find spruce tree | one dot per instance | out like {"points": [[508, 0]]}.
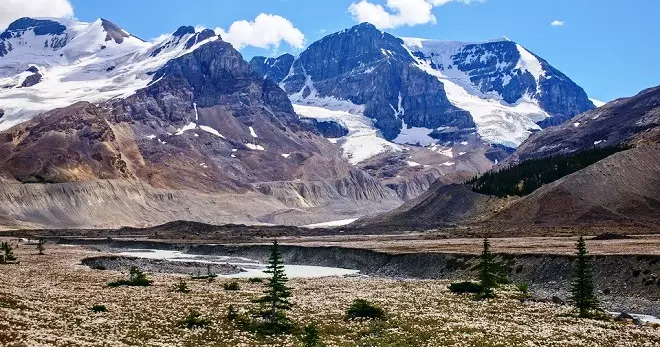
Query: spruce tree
{"points": [[41, 247], [583, 295], [276, 301], [8, 253], [491, 272]]}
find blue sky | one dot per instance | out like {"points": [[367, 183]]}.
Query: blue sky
{"points": [[609, 47]]}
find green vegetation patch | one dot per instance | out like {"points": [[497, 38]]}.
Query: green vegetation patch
{"points": [[528, 176]]}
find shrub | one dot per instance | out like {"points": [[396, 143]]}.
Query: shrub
{"points": [[232, 286], [256, 280], [523, 287], [232, 313], [361, 308], [311, 336], [194, 320], [99, 309], [465, 288], [182, 287], [137, 279], [8, 256]]}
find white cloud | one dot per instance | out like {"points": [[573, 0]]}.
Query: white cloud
{"points": [[398, 13], [266, 31], [11, 10], [557, 23]]}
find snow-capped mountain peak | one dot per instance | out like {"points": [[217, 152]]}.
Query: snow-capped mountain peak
{"points": [[425, 90], [50, 63]]}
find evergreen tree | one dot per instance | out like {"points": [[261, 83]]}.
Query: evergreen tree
{"points": [[41, 246], [311, 337], [8, 253], [583, 295], [491, 272], [276, 301]]}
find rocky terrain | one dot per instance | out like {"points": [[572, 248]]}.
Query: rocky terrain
{"points": [[206, 132], [415, 311], [361, 122], [623, 189], [630, 120]]}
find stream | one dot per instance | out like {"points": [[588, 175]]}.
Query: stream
{"points": [[250, 268]]}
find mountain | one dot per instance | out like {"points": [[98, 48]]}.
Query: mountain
{"points": [[621, 189], [627, 120], [182, 119], [52, 63], [428, 91], [440, 108], [99, 128]]}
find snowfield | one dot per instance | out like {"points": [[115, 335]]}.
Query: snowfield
{"points": [[87, 68], [497, 122], [362, 142]]}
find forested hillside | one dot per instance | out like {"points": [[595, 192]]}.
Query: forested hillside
{"points": [[530, 175]]}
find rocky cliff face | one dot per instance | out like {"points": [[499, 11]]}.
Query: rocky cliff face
{"points": [[275, 69], [629, 120], [368, 67], [505, 68], [438, 89]]}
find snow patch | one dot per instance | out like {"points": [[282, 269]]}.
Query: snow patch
{"points": [[252, 133], [363, 140], [530, 63], [189, 126], [210, 130], [255, 147], [414, 136], [337, 223]]}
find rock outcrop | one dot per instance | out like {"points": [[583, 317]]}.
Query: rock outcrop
{"points": [[629, 121]]}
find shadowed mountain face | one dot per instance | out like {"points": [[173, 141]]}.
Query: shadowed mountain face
{"points": [[629, 120]]}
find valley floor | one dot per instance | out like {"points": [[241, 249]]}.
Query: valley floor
{"points": [[46, 300]]}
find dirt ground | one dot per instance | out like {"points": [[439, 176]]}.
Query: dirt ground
{"points": [[46, 300], [638, 244]]}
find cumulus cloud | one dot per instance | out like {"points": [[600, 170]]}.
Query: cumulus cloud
{"points": [[11, 10], [398, 13], [557, 23], [266, 31]]}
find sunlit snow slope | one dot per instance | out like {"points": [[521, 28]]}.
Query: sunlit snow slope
{"points": [[68, 61], [498, 121]]}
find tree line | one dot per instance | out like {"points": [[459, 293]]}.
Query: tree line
{"points": [[530, 175]]}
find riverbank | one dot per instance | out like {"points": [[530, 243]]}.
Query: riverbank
{"points": [[626, 283], [46, 300]]}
